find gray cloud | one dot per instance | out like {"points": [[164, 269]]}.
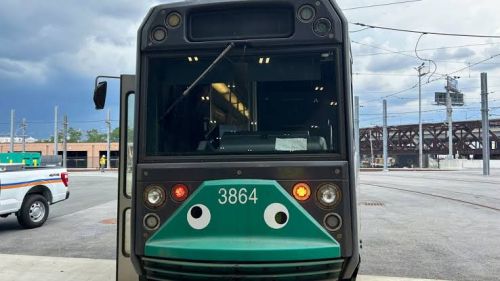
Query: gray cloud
{"points": [[456, 54]]}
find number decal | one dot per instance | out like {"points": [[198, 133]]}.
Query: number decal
{"points": [[242, 196], [234, 196], [253, 196], [223, 196]]}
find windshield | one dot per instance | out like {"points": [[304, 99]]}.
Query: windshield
{"points": [[247, 104]]}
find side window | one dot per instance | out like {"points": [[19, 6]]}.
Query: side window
{"points": [[129, 145]]}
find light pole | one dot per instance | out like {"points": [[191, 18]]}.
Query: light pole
{"points": [[451, 86], [420, 130]]}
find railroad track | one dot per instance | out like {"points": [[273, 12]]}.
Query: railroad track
{"points": [[433, 195], [446, 179]]}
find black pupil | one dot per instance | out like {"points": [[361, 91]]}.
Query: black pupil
{"points": [[196, 212], [280, 217]]}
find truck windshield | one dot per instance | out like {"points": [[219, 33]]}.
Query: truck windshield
{"points": [[247, 104]]}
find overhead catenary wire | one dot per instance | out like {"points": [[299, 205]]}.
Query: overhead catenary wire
{"points": [[403, 53], [434, 80], [428, 60], [383, 49], [381, 5], [431, 49], [476, 63], [359, 30], [426, 32], [400, 114]]}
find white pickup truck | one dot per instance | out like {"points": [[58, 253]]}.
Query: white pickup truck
{"points": [[29, 192]]}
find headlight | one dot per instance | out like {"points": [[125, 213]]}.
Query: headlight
{"points": [[322, 27], [332, 222], [154, 196], [174, 20], [306, 13], [159, 34], [328, 195], [151, 221]]}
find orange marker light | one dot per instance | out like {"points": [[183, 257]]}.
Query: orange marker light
{"points": [[301, 191], [180, 192]]}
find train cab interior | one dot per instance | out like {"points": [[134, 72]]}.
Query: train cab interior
{"points": [[246, 105]]}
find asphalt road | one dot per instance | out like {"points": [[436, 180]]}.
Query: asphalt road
{"points": [[443, 225], [436, 225], [82, 226]]}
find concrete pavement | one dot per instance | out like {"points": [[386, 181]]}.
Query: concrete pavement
{"points": [[29, 268]]}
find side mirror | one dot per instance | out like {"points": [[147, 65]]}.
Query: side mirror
{"points": [[100, 95]]}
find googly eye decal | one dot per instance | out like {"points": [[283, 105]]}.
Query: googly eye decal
{"points": [[198, 216], [276, 216]]}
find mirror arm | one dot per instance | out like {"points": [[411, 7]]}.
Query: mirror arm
{"points": [[104, 76]]}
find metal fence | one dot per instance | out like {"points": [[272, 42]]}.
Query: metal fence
{"points": [[89, 162]]}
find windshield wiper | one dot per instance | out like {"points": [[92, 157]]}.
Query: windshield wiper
{"points": [[202, 75]]}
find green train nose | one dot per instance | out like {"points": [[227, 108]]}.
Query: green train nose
{"points": [[242, 220]]}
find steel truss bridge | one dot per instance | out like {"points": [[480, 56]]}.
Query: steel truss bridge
{"points": [[403, 139]]}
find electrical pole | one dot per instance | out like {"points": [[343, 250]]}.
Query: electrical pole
{"points": [[356, 131], [420, 131], [385, 136], [12, 117], [65, 141], [23, 128], [56, 134], [372, 160], [486, 125], [449, 112], [108, 152]]}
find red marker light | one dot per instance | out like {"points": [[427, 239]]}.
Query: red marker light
{"points": [[180, 192]]}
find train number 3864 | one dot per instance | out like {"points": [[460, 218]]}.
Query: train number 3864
{"points": [[234, 196]]}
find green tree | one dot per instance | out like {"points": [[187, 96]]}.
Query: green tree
{"points": [[74, 135], [51, 139], [93, 135], [115, 134]]}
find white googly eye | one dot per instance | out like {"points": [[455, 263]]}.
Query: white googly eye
{"points": [[276, 216], [198, 216]]}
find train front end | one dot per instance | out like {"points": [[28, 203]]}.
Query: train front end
{"points": [[244, 168]]}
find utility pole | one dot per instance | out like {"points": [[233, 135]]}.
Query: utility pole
{"points": [[372, 160], [420, 131], [108, 152], [23, 128], [356, 131], [12, 117], [65, 141], [385, 136], [56, 133], [486, 124], [449, 113]]}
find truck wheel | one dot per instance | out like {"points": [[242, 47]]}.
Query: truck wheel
{"points": [[34, 211]]}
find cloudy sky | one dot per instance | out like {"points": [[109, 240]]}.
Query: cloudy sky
{"points": [[50, 52]]}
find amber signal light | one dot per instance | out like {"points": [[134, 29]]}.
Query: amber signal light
{"points": [[301, 191], [180, 192]]}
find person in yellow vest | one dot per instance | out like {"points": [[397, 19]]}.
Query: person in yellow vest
{"points": [[102, 163]]}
